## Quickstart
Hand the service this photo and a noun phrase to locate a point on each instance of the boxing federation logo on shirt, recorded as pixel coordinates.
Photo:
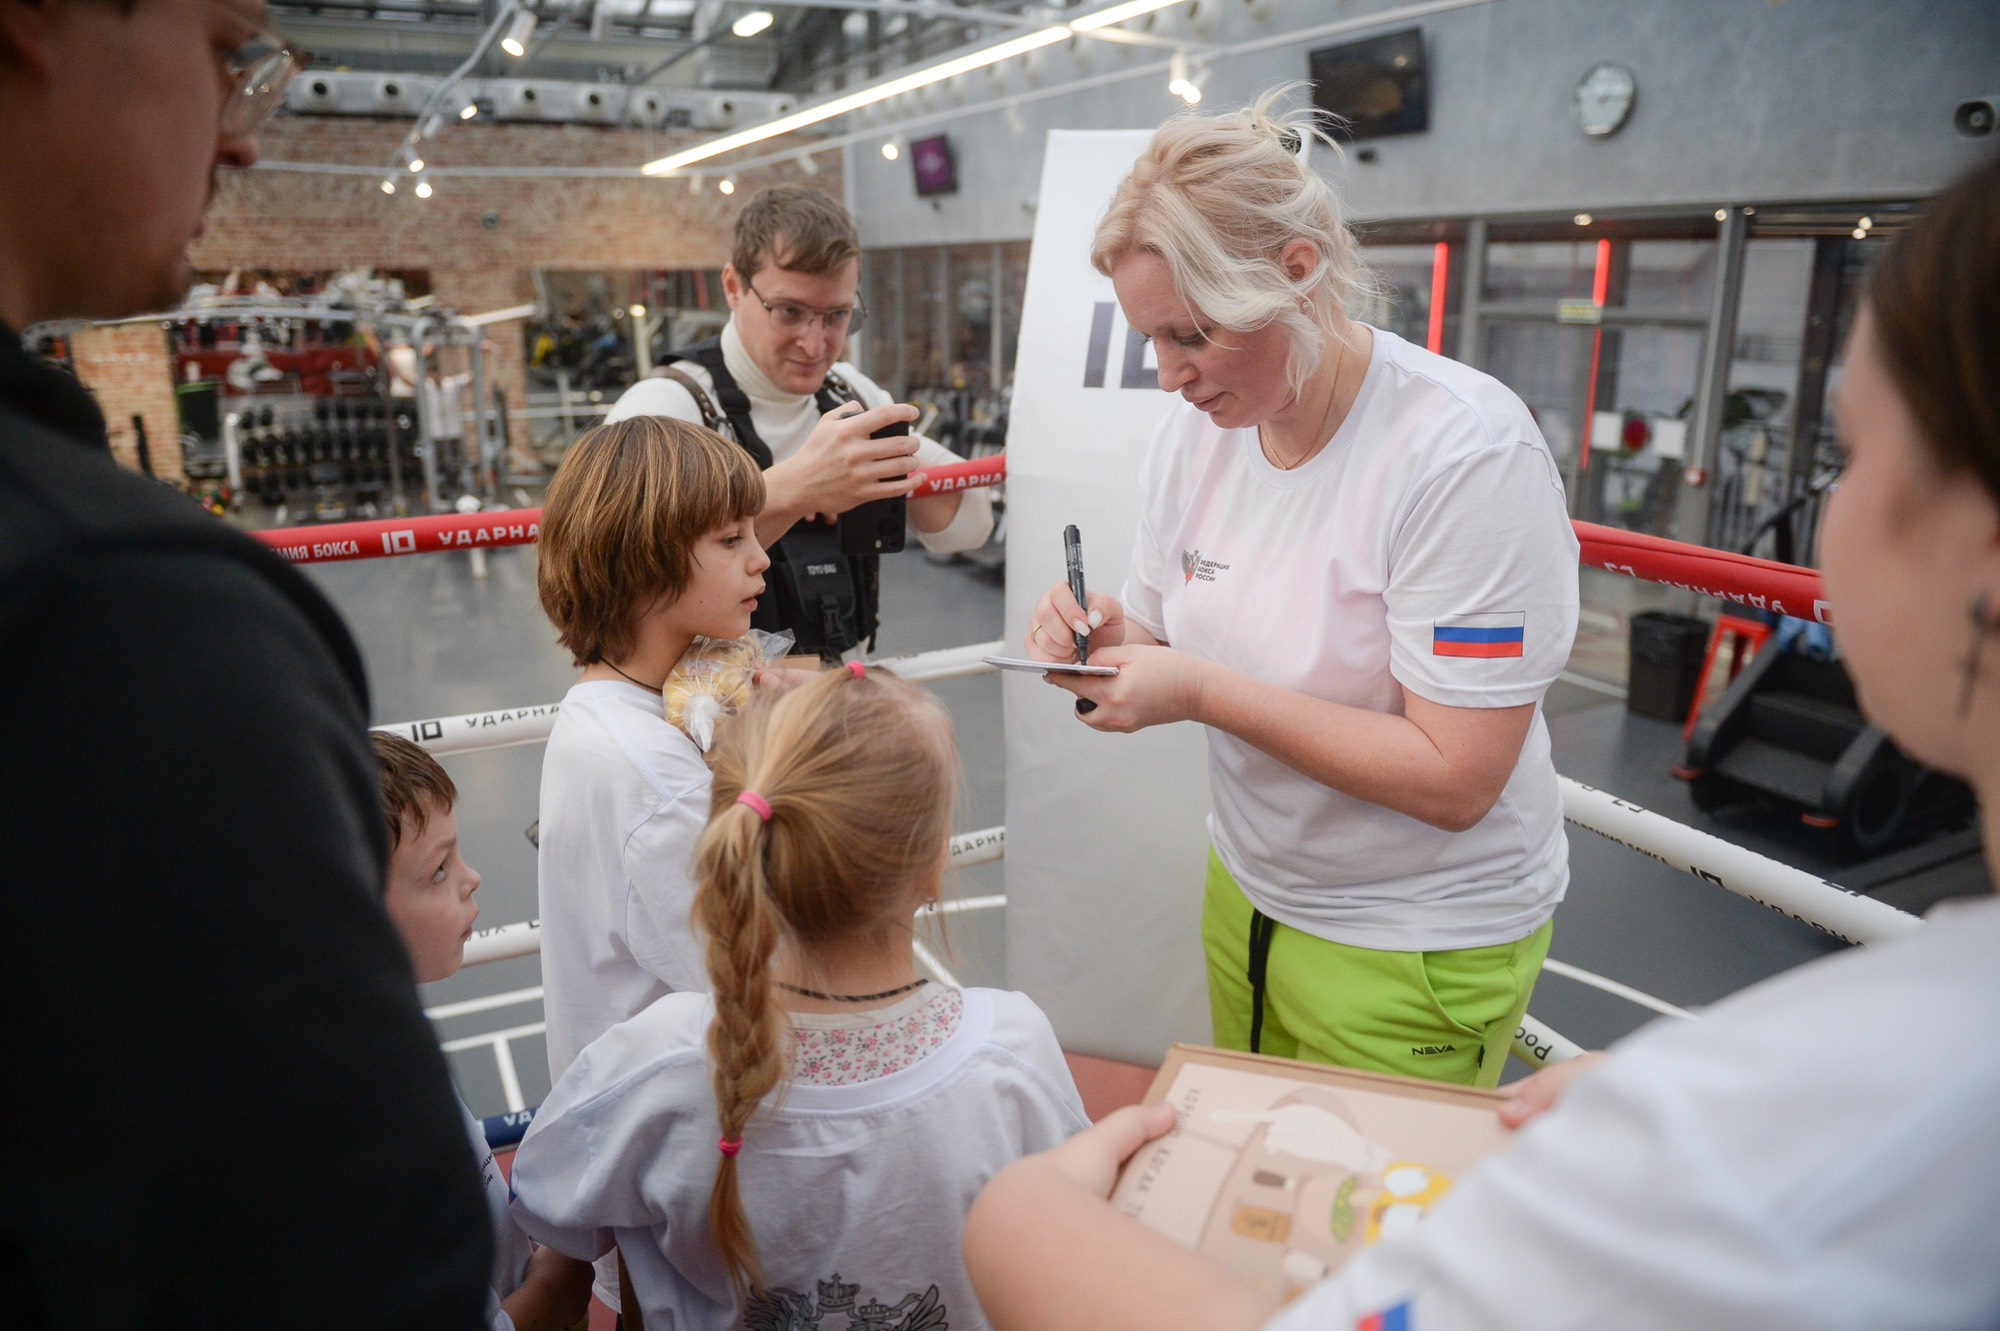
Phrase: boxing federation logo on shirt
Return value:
(1196, 569)
(1481, 636)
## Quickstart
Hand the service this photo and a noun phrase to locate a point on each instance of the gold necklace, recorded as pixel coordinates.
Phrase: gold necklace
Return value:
(1339, 371)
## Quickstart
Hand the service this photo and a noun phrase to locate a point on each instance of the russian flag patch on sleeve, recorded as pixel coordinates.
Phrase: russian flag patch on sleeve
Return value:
(1483, 636)
(1389, 1319)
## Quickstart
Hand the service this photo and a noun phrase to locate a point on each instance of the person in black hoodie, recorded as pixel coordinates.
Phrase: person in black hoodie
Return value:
(223, 1103)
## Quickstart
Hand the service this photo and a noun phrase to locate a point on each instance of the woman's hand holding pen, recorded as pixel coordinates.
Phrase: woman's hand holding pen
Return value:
(1154, 685)
(1052, 629)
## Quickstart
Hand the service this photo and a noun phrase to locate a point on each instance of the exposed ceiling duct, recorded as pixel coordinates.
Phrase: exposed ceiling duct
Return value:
(545, 101)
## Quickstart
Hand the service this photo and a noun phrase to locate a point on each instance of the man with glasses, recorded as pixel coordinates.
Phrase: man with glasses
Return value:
(775, 382)
(224, 1104)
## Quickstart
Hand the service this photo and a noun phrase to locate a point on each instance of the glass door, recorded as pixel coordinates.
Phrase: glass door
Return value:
(1603, 339)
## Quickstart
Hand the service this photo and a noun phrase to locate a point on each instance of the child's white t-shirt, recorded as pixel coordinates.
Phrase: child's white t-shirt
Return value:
(1426, 548)
(624, 800)
(857, 1193)
(511, 1248)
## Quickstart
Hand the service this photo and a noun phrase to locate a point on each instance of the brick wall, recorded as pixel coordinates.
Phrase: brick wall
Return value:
(276, 219)
(130, 370)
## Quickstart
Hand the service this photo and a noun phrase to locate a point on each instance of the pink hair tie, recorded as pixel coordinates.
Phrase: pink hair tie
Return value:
(856, 669)
(728, 1147)
(757, 802)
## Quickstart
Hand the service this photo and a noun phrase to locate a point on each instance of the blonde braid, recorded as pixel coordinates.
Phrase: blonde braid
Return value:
(857, 774)
(746, 1042)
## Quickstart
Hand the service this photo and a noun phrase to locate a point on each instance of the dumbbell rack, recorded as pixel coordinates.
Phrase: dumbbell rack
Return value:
(322, 459)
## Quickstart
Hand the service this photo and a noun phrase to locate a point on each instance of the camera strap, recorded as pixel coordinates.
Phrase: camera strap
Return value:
(828, 600)
(727, 410)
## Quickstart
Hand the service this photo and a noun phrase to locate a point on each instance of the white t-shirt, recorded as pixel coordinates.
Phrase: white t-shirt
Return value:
(444, 405)
(784, 420)
(857, 1194)
(403, 371)
(511, 1248)
(1426, 548)
(624, 799)
(1819, 1152)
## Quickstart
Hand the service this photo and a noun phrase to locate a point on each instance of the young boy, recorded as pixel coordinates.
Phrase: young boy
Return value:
(648, 541)
(429, 896)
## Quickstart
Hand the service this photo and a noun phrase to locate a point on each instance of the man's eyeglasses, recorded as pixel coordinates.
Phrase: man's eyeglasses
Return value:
(791, 316)
(259, 72)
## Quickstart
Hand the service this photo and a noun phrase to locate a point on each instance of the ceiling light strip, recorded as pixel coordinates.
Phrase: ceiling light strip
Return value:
(941, 116)
(902, 83)
(945, 115)
(1104, 18)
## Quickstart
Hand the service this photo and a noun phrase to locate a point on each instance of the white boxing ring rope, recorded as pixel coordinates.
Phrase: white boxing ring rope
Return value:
(1832, 909)
(1538, 1046)
(1792, 892)
(506, 942)
(1625, 991)
(1826, 906)
(503, 729)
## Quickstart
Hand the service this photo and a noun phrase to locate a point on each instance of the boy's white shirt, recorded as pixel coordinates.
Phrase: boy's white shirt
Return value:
(1818, 1153)
(865, 1185)
(624, 799)
(784, 420)
(511, 1247)
(1435, 500)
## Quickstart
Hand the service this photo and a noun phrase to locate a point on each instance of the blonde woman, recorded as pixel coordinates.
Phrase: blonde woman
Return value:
(1355, 567)
(806, 1143)
(1744, 1170)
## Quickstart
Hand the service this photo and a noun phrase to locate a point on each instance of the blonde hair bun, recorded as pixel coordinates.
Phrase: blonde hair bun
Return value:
(1220, 196)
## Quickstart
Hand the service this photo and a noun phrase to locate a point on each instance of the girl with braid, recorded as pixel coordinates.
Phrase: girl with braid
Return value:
(801, 1147)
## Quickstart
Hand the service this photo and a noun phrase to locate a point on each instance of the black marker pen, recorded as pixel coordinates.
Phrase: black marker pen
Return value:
(1073, 558)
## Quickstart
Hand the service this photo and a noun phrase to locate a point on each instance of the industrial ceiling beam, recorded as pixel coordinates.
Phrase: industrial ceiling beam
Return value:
(413, 49)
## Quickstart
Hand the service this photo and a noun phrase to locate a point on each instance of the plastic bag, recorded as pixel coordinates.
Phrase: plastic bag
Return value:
(715, 677)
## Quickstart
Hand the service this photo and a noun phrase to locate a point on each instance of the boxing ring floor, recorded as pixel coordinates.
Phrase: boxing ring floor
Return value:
(440, 642)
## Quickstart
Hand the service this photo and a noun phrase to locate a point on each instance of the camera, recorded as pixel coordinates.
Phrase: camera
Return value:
(876, 527)
(1975, 117)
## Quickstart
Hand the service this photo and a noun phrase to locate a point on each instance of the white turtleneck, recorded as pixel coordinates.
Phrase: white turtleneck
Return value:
(785, 419)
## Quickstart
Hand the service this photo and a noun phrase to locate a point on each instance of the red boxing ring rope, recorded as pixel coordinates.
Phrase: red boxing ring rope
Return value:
(336, 542)
(1761, 584)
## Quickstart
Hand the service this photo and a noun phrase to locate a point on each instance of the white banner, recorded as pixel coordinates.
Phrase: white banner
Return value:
(1106, 839)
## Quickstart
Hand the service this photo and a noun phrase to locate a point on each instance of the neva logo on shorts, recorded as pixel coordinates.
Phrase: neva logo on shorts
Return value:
(1483, 636)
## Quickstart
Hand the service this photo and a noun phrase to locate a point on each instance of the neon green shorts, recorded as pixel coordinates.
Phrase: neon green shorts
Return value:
(1448, 1016)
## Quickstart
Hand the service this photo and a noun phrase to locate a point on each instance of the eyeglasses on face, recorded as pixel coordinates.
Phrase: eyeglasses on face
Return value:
(258, 72)
(791, 316)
